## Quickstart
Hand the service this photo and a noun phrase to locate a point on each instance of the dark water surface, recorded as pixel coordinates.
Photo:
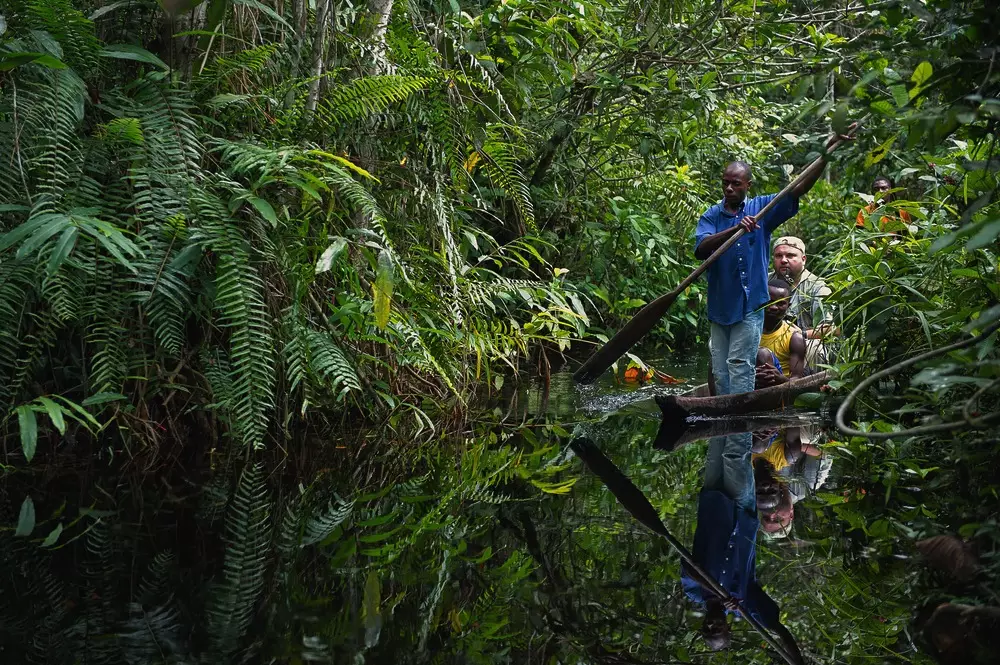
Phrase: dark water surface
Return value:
(492, 544)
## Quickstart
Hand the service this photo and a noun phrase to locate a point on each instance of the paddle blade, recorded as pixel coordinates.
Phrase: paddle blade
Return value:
(672, 428)
(624, 339)
(627, 493)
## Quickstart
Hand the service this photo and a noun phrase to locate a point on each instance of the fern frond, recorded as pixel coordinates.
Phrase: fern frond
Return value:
(16, 284)
(366, 96)
(154, 585)
(152, 635)
(166, 163)
(73, 31)
(233, 602)
(239, 303)
(502, 165)
(162, 280)
(328, 362)
(425, 358)
(321, 525)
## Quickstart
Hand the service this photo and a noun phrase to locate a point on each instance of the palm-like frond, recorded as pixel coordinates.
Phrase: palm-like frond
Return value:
(233, 601)
(239, 302)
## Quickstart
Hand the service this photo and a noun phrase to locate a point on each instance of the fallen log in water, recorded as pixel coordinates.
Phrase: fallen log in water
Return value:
(757, 401)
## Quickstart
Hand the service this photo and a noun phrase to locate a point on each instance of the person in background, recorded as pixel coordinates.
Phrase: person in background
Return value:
(781, 356)
(807, 308)
(882, 188)
(737, 281)
(725, 545)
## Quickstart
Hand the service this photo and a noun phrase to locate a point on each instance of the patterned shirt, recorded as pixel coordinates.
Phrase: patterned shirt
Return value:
(805, 307)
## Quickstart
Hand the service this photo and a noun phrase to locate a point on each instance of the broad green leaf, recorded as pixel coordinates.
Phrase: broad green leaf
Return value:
(985, 236)
(61, 250)
(22, 231)
(879, 153)
(3, 24)
(9, 61)
(331, 254)
(900, 95)
(55, 413)
(82, 415)
(216, 13)
(29, 430)
(107, 9)
(883, 107)
(132, 52)
(372, 609)
(263, 8)
(809, 400)
(53, 536)
(840, 118)
(227, 98)
(354, 167)
(384, 280)
(265, 209)
(922, 73)
(26, 520)
(103, 398)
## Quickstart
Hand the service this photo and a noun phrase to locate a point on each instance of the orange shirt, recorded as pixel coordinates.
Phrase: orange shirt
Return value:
(868, 209)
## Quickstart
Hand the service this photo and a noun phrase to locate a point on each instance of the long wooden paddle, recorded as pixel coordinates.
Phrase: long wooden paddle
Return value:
(649, 316)
(632, 498)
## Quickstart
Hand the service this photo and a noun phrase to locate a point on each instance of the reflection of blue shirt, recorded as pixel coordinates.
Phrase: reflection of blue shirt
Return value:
(737, 281)
(725, 546)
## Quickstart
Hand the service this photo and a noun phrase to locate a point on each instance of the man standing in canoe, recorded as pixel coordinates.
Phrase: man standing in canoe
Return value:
(737, 281)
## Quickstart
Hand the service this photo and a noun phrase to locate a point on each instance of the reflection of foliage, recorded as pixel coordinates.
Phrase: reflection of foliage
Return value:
(224, 244)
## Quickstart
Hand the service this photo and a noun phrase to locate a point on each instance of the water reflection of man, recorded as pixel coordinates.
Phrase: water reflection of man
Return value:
(773, 452)
(725, 544)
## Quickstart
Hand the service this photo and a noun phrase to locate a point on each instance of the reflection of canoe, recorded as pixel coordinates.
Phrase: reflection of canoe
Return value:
(673, 434)
(757, 401)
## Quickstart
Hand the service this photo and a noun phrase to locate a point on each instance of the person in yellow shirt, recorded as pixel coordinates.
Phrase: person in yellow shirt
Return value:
(782, 353)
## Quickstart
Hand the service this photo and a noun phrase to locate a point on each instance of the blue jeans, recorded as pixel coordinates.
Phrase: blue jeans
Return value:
(728, 468)
(734, 354)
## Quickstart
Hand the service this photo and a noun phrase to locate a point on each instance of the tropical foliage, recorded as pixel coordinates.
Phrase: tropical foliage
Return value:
(265, 268)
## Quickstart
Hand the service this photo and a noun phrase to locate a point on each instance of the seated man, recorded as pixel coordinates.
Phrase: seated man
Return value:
(774, 500)
(725, 545)
(781, 448)
(782, 353)
(806, 307)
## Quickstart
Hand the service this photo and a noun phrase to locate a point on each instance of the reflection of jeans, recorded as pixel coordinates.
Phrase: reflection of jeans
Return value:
(734, 354)
(728, 469)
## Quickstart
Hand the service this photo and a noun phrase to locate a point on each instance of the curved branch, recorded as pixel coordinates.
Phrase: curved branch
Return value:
(967, 409)
(923, 429)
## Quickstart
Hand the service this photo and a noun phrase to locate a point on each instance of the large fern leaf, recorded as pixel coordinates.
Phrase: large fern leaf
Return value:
(233, 601)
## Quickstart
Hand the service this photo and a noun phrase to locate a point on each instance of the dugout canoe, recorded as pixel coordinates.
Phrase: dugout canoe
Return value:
(775, 398)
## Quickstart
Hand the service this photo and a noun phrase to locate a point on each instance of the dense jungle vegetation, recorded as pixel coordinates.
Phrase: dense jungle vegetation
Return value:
(272, 273)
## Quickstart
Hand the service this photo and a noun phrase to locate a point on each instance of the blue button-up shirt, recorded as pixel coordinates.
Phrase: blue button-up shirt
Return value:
(725, 546)
(737, 281)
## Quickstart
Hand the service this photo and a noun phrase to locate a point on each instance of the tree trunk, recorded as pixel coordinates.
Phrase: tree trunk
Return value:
(586, 97)
(379, 12)
(318, 51)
